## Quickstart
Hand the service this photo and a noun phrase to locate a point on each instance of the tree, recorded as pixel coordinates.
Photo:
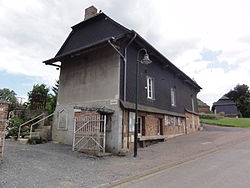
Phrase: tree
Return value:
(38, 96)
(10, 96)
(241, 96)
(52, 99)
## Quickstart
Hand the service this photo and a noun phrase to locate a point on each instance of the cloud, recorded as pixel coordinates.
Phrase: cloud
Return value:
(33, 31)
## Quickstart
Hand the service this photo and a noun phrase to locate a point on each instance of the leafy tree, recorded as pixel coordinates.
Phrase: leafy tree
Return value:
(52, 99)
(10, 96)
(241, 96)
(38, 96)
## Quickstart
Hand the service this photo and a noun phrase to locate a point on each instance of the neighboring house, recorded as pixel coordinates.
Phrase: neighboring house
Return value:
(203, 107)
(224, 104)
(98, 81)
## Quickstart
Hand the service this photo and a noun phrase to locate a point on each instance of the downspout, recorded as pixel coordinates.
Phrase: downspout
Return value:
(124, 57)
(125, 85)
(125, 69)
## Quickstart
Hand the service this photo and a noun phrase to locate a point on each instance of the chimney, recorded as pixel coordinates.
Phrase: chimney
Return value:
(90, 12)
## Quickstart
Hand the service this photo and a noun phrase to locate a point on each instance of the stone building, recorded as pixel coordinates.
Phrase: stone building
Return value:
(97, 86)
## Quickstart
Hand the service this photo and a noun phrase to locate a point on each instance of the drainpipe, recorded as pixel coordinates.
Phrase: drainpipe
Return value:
(124, 57)
(125, 68)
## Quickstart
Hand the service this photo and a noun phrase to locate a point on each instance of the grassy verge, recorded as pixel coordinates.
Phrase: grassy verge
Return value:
(230, 122)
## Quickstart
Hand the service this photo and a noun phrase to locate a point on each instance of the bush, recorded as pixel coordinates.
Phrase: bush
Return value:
(37, 140)
(13, 127)
(210, 116)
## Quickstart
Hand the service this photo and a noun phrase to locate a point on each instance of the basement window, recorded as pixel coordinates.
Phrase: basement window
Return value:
(150, 88)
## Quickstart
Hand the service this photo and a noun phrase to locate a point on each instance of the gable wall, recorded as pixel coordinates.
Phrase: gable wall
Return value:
(91, 80)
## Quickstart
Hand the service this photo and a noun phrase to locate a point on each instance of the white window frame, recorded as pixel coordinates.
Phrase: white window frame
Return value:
(150, 87)
(192, 101)
(173, 96)
(132, 123)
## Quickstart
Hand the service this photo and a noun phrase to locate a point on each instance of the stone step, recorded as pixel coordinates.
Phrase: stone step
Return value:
(23, 140)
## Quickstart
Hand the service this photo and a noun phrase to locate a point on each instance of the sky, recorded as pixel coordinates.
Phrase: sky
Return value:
(209, 40)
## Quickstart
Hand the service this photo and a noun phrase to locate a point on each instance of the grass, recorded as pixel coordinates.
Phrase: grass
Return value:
(230, 122)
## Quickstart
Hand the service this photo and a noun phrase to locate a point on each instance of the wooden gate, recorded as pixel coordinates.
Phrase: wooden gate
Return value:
(89, 133)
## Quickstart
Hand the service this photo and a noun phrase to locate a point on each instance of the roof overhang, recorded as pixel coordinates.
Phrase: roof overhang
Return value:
(77, 52)
(131, 106)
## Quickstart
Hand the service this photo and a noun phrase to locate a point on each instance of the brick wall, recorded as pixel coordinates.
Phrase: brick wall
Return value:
(192, 122)
(204, 109)
(3, 119)
(170, 126)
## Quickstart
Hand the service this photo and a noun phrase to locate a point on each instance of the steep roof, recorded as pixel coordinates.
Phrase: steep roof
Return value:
(80, 39)
(224, 101)
(201, 103)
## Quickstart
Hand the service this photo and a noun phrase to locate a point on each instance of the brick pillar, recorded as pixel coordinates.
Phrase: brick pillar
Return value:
(4, 107)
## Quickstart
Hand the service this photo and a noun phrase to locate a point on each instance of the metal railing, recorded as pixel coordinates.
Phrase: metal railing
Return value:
(39, 122)
(25, 123)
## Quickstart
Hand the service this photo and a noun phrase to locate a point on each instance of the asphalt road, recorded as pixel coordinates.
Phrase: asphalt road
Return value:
(228, 168)
(57, 166)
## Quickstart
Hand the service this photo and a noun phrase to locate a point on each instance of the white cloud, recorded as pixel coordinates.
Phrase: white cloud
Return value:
(33, 31)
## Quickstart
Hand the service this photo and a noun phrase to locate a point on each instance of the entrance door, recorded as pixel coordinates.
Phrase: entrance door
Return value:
(159, 127)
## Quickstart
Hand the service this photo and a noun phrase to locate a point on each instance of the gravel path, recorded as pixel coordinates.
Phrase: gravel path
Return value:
(55, 165)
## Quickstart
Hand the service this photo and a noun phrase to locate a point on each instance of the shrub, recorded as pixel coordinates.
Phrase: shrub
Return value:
(210, 116)
(37, 140)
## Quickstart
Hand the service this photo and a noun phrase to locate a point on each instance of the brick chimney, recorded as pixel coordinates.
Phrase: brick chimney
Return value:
(90, 12)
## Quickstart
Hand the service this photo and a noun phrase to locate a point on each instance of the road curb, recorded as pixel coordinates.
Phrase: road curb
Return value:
(159, 169)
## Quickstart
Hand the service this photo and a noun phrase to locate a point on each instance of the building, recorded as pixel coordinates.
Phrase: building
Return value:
(203, 107)
(225, 105)
(98, 84)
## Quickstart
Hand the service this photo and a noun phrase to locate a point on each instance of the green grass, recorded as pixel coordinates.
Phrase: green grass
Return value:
(230, 122)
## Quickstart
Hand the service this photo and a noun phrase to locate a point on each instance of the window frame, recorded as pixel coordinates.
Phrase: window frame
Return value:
(193, 105)
(173, 96)
(150, 88)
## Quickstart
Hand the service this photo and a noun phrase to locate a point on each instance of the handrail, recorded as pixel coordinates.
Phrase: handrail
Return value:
(39, 122)
(19, 131)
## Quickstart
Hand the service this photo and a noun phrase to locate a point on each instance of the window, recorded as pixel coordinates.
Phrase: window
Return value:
(192, 100)
(132, 123)
(150, 88)
(173, 97)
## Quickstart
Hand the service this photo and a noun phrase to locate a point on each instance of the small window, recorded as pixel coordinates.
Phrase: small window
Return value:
(173, 97)
(192, 100)
(131, 121)
(150, 88)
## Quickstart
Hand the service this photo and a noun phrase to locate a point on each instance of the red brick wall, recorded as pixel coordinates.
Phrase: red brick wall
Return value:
(3, 119)
(204, 109)
(192, 122)
(171, 126)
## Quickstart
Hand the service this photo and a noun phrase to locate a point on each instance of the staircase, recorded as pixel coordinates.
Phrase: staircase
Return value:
(42, 131)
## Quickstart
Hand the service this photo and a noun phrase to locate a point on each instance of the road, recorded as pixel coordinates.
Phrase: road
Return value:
(225, 168)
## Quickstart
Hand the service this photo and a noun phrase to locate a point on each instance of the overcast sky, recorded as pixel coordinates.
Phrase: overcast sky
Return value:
(207, 39)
